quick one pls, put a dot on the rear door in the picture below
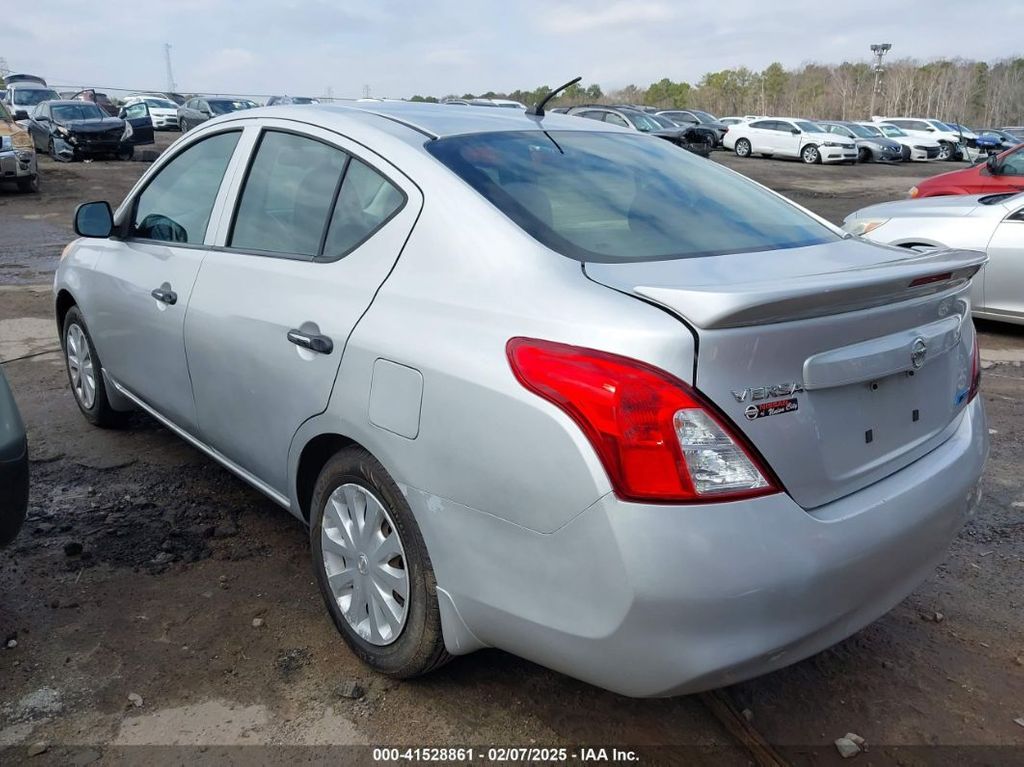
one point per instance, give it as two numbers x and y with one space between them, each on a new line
318 225
137 115
1004 273
146 278
762 136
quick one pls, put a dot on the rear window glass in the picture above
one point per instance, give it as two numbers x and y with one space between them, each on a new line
617 198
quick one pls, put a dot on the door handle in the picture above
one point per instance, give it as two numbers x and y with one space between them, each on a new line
166 295
312 341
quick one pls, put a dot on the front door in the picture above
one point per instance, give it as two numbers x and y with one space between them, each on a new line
148 275
1004 273
787 143
319 224
137 115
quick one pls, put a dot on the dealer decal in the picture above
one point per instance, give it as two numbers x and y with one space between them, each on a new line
765 409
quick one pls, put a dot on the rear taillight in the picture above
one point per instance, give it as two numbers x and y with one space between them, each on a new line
975 370
657 438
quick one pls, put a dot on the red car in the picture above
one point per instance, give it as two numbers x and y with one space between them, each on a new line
1001 173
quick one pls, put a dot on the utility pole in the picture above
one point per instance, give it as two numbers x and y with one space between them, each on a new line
879 50
171 87
366 91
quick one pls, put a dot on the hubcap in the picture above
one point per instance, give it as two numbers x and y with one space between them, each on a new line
80 367
365 564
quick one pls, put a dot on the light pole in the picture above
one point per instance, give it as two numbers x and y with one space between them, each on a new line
879 50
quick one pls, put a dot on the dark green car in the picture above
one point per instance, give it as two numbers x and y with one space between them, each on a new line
13 466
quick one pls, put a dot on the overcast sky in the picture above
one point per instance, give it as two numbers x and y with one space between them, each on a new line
399 48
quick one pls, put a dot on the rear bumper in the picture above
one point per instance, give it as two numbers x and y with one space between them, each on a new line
664 600
14 498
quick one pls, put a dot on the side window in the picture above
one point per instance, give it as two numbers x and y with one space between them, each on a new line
592 115
287 195
763 125
176 205
1012 164
688 118
135 110
366 202
613 119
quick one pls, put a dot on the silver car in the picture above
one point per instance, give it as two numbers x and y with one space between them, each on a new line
993 223
540 383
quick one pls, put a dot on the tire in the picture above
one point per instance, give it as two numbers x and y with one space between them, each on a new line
810 155
28 185
863 154
354 483
742 148
183 126
75 343
945 152
125 153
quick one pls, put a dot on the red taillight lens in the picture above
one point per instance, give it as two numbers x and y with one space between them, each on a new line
975 370
656 437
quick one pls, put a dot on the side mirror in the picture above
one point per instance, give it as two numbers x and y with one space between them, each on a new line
20 114
41 119
795 131
94 219
992 163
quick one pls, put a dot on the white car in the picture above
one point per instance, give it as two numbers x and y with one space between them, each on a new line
735 119
789 137
991 223
921 149
951 142
163 112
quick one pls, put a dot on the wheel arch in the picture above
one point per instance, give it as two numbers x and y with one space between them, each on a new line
316 452
62 305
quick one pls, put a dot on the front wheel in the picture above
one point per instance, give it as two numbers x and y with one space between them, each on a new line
29 184
125 152
742 148
863 154
373 568
85 373
810 155
945 151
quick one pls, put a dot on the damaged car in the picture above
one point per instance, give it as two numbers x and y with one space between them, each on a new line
70 130
17 154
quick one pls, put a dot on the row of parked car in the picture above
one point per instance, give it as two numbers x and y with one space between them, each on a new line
881 139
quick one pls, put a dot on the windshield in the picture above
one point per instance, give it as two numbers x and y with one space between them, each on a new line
892 130
84 111
809 127
643 122
29 97
223 107
618 198
160 104
944 126
861 131
663 121
705 117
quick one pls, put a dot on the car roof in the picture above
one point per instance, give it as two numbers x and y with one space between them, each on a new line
434 120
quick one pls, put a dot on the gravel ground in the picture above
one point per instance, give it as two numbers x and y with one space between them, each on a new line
143 566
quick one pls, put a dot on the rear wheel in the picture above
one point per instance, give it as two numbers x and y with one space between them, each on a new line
810 154
742 148
373 568
85 373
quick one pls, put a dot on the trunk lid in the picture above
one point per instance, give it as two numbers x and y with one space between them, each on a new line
841 363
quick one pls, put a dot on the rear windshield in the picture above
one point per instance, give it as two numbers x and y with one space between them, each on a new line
617 198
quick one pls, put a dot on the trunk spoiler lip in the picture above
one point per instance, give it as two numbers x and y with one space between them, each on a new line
739 304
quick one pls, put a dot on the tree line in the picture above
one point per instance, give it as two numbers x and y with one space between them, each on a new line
974 93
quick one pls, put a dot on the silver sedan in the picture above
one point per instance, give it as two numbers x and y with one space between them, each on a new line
993 223
540 383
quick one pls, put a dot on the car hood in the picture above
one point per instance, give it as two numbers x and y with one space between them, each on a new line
92 126
834 138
